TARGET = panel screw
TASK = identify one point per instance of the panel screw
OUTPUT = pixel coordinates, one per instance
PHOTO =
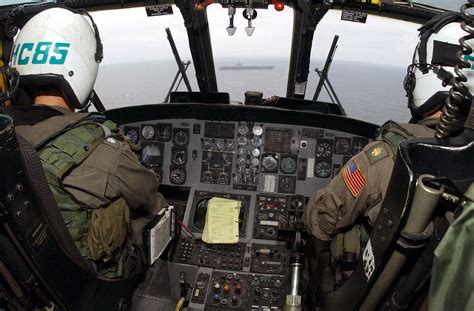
(382, 239)
(27, 204)
(379, 227)
(19, 187)
(10, 197)
(19, 214)
(390, 223)
(385, 211)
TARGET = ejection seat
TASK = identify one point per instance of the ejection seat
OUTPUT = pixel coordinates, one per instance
(373, 285)
(31, 222)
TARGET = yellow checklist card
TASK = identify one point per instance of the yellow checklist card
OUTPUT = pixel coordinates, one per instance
(222, 221)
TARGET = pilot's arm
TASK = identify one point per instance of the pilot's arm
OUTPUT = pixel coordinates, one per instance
(358, 188)
(112, 171)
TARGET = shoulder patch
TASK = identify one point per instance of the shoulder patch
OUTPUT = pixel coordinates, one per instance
(353, 178)
(376, 153)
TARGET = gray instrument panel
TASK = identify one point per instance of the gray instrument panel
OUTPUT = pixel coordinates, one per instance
(243, 157)
(270, 168)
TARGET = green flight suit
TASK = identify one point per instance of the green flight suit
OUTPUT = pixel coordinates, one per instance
(109, 182)
(360, 186)
(452, 281)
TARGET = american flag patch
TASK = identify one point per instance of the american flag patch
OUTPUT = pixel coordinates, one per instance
(353, 178)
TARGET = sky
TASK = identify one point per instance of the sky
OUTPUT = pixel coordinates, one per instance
(130, 36)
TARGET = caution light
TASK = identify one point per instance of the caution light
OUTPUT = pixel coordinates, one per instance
(279, 6)
(202, 5)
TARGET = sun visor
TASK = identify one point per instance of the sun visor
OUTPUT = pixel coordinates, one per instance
(444, 54)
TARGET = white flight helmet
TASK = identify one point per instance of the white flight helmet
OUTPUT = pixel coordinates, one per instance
(62, 49)
(433, 64)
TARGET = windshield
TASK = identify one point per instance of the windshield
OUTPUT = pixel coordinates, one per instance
(452, 5)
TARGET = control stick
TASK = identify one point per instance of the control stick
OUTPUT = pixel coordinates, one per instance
(293, 299)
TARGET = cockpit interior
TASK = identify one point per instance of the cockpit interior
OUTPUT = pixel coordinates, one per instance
(269, 154)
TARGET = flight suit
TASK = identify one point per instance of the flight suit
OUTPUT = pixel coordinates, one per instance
(360, 186)
(109, 183)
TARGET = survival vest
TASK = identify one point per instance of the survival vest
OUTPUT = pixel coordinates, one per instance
(59, 155)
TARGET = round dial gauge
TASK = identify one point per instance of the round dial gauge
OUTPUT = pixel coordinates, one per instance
(242, 141)
(323, 150)
(151, 156)
(222, 179)
(269, 163)
(132, 134)
(218, 144)
(177, 176)
(287, 184)
(243, 129)
(255, 162)
(257, 141)
(207, 177)
(256, 152)
(148, 132)
(257, 130)
(179, 156)
(323, 169)
(342, 146)
(288, 165)
(181, 138)
(229, 145)
(241, 160)
(206, 144)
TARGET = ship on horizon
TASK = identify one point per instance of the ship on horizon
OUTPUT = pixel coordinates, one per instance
(239, 66)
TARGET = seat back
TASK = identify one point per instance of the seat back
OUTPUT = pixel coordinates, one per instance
(448, 159)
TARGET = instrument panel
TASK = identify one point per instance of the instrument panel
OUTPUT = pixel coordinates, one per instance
(271, 168)
(243, 156)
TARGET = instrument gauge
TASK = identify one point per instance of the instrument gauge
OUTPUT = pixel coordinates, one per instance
(255, 162)
(181, 137)
(163, 132)
(243, 130)
(257, 130)
(179, 156)
(287, 184)
(323, 169)
(132, 133)
(207, 177)
(151, 156)
(229, 145)
(324, 149)
(288, 165)
(177, 176)
(222, 179)
(242, 141)
(206, 144)
(218, 145)
(256, 153)
(342, 146)
(241, 160)
(257, 141)
(148, 132)
(269, 163)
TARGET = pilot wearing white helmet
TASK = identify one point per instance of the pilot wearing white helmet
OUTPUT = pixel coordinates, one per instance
(95, 177)
(335, 214)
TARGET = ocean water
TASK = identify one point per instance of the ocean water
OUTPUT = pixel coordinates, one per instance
(369, 92)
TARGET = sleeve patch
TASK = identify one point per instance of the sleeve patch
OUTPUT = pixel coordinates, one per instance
(353, 178)
(376, 153)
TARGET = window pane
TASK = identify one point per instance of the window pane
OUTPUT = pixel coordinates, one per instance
(139, 66)
(256, 63)
(369, 65)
